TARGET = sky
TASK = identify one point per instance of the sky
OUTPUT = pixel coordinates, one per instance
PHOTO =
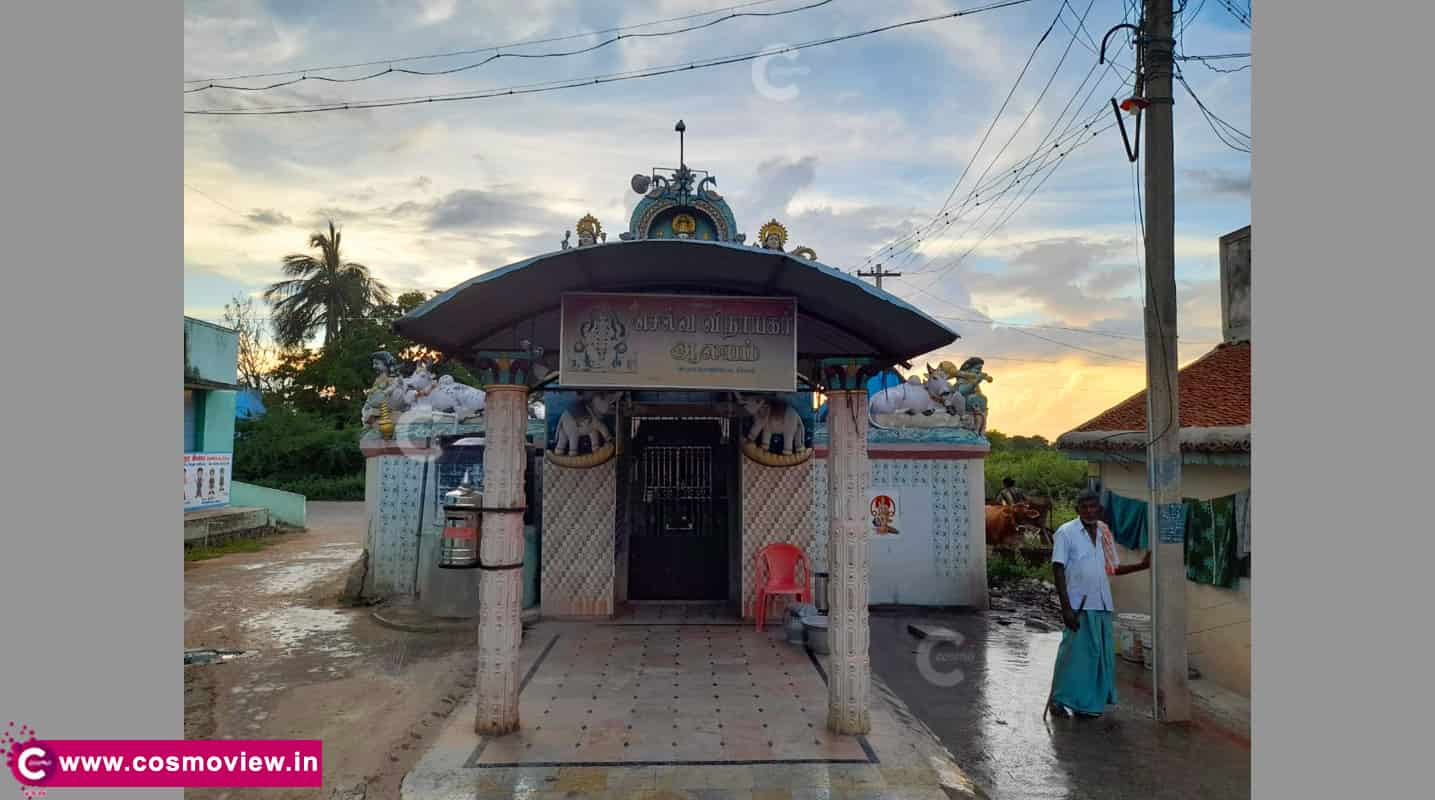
(850, 145)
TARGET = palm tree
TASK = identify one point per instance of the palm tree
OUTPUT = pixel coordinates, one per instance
(325, 291)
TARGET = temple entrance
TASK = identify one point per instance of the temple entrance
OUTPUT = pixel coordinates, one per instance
(679, 476)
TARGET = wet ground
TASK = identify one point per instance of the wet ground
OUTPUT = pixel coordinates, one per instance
(312, 668)
(983, 697)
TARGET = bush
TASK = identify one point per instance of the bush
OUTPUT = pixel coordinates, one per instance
(1007, 567)
(1045, 472)
(287, 446)
(348, 487)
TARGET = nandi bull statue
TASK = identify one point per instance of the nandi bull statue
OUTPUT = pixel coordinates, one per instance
(772, 415)
(913, 397)
(443, 394)
(585, 419)
(387, 396)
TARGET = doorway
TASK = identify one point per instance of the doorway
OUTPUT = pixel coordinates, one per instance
(679, 476)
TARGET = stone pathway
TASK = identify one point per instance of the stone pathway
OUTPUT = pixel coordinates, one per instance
(680, 711)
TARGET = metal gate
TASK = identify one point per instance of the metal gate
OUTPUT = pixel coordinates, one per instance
(678, 506)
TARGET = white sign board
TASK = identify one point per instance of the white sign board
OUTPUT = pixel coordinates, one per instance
(207, 477)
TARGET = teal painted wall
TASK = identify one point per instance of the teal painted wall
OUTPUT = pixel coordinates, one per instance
(285, 507)
(210, 352)
(216, 428)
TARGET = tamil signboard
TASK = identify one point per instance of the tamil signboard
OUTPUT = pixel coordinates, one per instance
(206, 480)
(667, 341)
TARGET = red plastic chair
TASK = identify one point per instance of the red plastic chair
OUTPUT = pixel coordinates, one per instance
(781, 570)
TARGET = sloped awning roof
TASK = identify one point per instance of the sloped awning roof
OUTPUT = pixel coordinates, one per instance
(1215, 400)
(838, 315)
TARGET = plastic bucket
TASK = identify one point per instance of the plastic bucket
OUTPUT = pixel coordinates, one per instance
(1133, 631)
(816, 627)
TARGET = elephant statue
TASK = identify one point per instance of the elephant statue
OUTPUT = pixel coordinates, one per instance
(585, 419)
(773, 415)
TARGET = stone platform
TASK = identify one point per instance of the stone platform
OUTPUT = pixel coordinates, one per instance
(675, 711)
(213, 525)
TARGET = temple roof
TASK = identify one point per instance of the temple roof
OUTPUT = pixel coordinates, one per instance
(838, 315)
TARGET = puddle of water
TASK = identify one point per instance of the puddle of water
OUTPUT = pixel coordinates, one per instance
(296, 576)
(200, 656)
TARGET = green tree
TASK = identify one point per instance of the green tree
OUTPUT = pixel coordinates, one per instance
(334, 380)
(326, 293)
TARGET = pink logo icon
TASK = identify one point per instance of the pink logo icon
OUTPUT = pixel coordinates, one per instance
(29, 759)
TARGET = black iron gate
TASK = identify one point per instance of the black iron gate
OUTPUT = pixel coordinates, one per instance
(678, 506)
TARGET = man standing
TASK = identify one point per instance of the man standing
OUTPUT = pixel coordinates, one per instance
(1010, 495)
(1083, 557)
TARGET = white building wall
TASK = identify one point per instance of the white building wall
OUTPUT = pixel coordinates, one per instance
(938, 556)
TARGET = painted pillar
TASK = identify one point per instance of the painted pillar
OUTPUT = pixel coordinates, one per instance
(500, 629)
(849, 558)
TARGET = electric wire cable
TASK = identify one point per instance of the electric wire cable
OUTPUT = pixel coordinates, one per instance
(391, 70)
(488, 49)
(592, 81)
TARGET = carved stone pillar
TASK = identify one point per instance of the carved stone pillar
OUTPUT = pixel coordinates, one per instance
(849, 558)
(500, 629)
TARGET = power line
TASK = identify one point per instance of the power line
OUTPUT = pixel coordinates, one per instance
(1243, 17)
(601, 79)
(906, 244)
(391, 70)
(206, 196)
(488, 49)
(992, 126)
(1230, 135)
(1091, 331)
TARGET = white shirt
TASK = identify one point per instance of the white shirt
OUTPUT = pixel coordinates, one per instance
(1085, 565)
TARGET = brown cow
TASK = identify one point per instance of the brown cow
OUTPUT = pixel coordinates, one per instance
(1003, 523)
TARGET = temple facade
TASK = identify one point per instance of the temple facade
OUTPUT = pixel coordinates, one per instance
(661, 407)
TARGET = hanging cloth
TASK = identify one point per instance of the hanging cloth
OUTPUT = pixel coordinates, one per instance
(1127, 519)
(1211, 541)
(1243, 524)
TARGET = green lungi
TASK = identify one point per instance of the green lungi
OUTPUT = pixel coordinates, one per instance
(1086, 665)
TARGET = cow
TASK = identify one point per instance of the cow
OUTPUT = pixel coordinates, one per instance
(1004, 523)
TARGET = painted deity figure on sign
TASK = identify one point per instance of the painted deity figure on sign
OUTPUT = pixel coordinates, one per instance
(601, 341)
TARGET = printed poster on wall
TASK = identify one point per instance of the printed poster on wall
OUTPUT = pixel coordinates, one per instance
(206, 480)
(884, 512)
(658, 341)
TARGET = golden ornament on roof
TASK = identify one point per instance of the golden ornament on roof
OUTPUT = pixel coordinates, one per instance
(805, 252)
(769, 229)
(589, 224)
(684, 223)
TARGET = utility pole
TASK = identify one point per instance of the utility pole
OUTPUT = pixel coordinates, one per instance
(878, 274)
(1163, 428)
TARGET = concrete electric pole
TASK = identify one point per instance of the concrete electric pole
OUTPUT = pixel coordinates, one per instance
(878, 274)
(1163, 453)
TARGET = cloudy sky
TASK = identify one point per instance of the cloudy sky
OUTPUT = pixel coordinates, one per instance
(851, 145)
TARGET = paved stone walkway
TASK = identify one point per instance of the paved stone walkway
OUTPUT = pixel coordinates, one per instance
(681, 711)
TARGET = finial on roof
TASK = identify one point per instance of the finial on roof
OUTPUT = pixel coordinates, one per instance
(772, 235)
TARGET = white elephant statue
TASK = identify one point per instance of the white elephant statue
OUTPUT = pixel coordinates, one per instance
(585, 419)
(913, 397)
(772, 415)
